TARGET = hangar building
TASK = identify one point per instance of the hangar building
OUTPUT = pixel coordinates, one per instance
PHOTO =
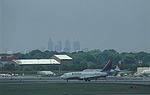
(63, 59)
(55, 60)
(36, 61)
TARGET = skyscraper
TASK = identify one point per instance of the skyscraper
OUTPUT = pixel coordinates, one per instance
(76, 46)
(67, 46)
(50, 45)
(58, 46)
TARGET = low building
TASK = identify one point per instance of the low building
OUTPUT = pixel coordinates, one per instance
(36, 62)
(7, 57)
(63, 59)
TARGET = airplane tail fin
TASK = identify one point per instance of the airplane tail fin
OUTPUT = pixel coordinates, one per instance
(107, 67)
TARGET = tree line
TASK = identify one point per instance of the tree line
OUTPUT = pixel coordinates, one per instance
(83, 60)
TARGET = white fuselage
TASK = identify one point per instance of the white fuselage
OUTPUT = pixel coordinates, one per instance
(83, 75)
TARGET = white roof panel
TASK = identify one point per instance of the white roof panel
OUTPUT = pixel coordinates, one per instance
(63, 56)
(36, 61)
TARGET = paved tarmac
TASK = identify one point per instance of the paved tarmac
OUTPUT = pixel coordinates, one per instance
(38, 79)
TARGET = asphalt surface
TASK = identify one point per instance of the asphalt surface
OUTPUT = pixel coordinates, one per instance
(38, 79)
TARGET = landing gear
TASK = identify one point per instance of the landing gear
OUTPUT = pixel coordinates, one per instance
(87, 80)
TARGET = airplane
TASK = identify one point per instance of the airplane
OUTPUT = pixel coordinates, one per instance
(122, 70)
(46, 73)
(88, 75)
(145, 73)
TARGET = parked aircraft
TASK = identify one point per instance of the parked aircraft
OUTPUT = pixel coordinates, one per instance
(118, 72)
(145, 73)
(46, 73)
(88, 75)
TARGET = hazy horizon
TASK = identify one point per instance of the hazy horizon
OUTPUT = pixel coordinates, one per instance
(122, 25)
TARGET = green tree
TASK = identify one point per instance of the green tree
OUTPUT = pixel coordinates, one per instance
(9, 67)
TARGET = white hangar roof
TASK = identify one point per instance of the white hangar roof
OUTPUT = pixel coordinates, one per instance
(36, 61)
(63, 56)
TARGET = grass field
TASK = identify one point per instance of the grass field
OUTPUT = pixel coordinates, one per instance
(70, 89)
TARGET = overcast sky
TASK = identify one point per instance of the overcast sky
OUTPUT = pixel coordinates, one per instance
(123, 25)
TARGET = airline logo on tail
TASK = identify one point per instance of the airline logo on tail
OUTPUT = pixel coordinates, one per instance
(107, 67)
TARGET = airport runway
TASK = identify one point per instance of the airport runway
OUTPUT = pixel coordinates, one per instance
(38, 79)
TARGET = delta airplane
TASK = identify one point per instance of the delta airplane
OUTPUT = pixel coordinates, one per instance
(88, 75)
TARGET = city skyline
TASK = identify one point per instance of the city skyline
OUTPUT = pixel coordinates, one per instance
(122, 25)
(63, 46)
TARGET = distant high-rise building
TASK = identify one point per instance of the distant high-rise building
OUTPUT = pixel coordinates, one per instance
(58, 46)
(76, 46)
(50, 45)
(67, 46)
